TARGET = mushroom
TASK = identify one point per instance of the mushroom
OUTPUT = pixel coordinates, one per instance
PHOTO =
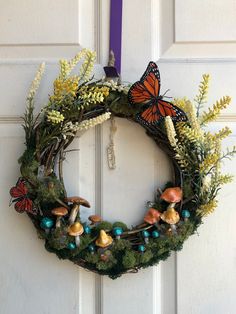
(104, 240)
(91, 248)
(146, 236)
(76, 230)
(76, 201)
(185, 214)
(87, 229)
(59, 212)
(46, 224)
(117, 231)
(172, 196)
(155, 234)
(95, 219)
(152, 216)
(141, 248)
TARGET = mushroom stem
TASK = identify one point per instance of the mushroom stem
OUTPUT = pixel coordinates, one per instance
(77, 241)
(171, 205)
(73, 214)
(173, 229)
(58, 222)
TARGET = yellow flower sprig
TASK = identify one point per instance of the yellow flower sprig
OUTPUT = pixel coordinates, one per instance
(214, 112)
(55, 117)
(177, 146)
(65, 88)
(92, 95)
(35, 84)
(206, 209)
(87, 66)
(90, 123)
(67, 66)
(201, 98)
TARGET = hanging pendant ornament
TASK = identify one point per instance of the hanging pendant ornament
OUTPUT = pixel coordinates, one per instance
(111, 158)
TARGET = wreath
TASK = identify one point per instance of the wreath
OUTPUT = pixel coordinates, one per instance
(79, 102)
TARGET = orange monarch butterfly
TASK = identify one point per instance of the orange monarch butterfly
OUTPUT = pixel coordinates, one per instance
(147, 92)
(20, 193)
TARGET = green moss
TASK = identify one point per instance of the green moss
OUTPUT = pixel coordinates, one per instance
(104, 225)
(120, 224)
(129, 259)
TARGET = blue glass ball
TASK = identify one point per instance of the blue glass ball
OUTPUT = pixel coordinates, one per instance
(117, 231)
(155, 234)
(141, 248)
(91, 248)
(185, 213)
(145, 234)
(71, 246)
(46, 223)
(87, 230)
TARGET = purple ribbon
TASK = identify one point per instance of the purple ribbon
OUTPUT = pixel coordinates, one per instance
(116, 31)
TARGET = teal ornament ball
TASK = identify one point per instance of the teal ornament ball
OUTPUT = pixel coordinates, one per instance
(145, 234)
(87, 229)
(155, 234)
(46, 223)
(71, 246)
(141, 248)
(117, 231)
(185, 214)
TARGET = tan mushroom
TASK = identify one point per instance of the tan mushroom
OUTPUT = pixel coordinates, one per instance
(172, 196)
(95, 219)
(59, 212)
(75, 230)
(76, 201)
(104, 240)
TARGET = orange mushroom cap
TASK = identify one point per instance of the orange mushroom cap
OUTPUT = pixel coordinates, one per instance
(77, 200)
(95, 218)
(59, 211)
(152, 216)
(172, 195)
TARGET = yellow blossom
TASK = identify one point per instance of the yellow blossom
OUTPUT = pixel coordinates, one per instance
(171, 133)
(87, 124)
(35, 84)
(65, 87)
(87, 66)
(214, 112)
(67, 66)
(207, 209)
(210, 161)
(55, 117)
(203, 89)
(93, 95)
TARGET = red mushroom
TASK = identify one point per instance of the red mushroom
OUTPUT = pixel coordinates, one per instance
(152, 216)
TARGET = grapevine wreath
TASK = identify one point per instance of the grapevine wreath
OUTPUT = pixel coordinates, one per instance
(80, 102)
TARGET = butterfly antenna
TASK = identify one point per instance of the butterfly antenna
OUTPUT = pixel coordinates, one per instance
(166, 93)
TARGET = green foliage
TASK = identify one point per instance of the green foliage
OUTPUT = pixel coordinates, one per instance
(129, 259)
(120, 224)
(104, 225)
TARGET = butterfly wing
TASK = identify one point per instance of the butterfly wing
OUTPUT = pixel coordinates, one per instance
(19, 190)
(166, 108)
(148, 88)
(24, 204)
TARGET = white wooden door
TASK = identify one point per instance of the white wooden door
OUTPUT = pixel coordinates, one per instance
(186, 38)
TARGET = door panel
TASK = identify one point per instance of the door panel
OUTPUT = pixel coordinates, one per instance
(201, 278)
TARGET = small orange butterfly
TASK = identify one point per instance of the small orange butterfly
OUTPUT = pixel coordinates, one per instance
(147, 92)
